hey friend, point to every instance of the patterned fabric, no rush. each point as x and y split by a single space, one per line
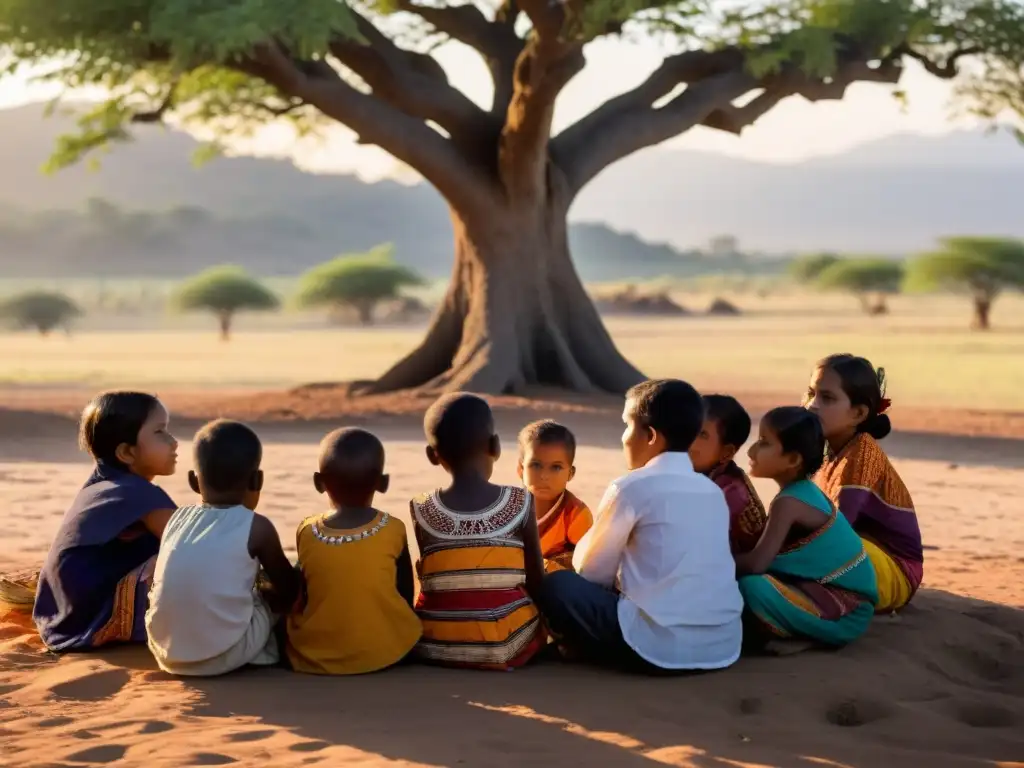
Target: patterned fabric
821 587
862 482
747 517
93 583
474 609
561 529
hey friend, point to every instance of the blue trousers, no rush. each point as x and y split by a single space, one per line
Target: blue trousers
585 619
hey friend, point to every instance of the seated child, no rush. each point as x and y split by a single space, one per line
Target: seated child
809 577
848 395
655 588
726 428
546 454
358 615
94 586
479 546
206 616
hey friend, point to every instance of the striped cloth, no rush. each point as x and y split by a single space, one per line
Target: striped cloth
474 609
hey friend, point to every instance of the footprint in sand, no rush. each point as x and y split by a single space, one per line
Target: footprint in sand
309 746
250 736
55 722
105 753
983 715
853 713
210 758
98 685
156 726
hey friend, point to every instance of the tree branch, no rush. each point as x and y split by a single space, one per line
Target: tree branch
413 82
946 70
496 41
407 138
714 80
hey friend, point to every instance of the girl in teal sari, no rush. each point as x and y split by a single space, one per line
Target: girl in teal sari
808 577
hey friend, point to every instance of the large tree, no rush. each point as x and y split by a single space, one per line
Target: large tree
515 312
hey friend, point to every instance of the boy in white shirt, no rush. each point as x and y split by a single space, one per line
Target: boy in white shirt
655 582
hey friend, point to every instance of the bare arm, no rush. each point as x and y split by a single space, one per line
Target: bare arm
532 554
785 512
285 580
404 580
156 521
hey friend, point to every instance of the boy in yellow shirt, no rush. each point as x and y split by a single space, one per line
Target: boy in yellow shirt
358 615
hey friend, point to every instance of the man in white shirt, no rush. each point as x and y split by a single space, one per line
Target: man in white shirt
655 582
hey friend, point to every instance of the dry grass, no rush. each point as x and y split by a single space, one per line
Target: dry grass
931 356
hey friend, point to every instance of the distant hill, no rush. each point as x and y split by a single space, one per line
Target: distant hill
891 196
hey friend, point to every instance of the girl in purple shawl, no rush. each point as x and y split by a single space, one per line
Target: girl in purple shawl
94 586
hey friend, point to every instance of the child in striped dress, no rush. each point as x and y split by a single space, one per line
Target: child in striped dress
481 565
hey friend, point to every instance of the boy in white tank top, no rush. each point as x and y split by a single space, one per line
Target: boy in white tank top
206 615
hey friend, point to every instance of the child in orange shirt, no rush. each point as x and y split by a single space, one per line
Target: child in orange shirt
547 451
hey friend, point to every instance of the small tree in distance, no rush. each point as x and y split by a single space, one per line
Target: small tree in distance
870 279
359 281
42 310
806 269
984 267
224 291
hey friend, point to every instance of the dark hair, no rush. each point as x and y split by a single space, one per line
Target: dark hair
459 427
352 458
863 385
732 420
799 431
226 455
672 408
547 432
113 418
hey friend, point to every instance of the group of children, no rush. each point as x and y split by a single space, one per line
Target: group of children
679 568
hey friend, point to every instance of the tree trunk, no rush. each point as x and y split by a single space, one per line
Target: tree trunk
364 310
224 319
515 314
982 310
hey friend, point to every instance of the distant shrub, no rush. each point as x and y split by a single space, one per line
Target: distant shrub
42 310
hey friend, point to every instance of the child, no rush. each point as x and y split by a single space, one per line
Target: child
479 545
358 615
205 615
93 588
656 586
848 395
547 451
809 575
726 428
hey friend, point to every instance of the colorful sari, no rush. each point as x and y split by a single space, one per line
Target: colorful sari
861 481
561 530
94 585
819 588
474 608
747 517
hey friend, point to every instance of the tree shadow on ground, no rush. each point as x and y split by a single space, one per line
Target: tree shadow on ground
941 685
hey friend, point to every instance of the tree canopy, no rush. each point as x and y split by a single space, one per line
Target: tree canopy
224 291
360 281
807 269
42 310
983 267
871 279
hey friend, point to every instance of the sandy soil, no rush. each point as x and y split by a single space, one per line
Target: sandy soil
942 685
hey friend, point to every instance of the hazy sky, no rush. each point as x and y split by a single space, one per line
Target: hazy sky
794 130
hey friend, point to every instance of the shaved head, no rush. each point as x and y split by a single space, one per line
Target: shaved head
351 461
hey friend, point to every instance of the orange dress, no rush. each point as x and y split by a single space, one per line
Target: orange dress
561 530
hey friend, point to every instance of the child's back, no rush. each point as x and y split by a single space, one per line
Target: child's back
201 601
354 620
479 546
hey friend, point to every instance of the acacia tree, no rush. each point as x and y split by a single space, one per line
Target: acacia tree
516 311
42 310
983 267
224 291
871 280
360 281
807 269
